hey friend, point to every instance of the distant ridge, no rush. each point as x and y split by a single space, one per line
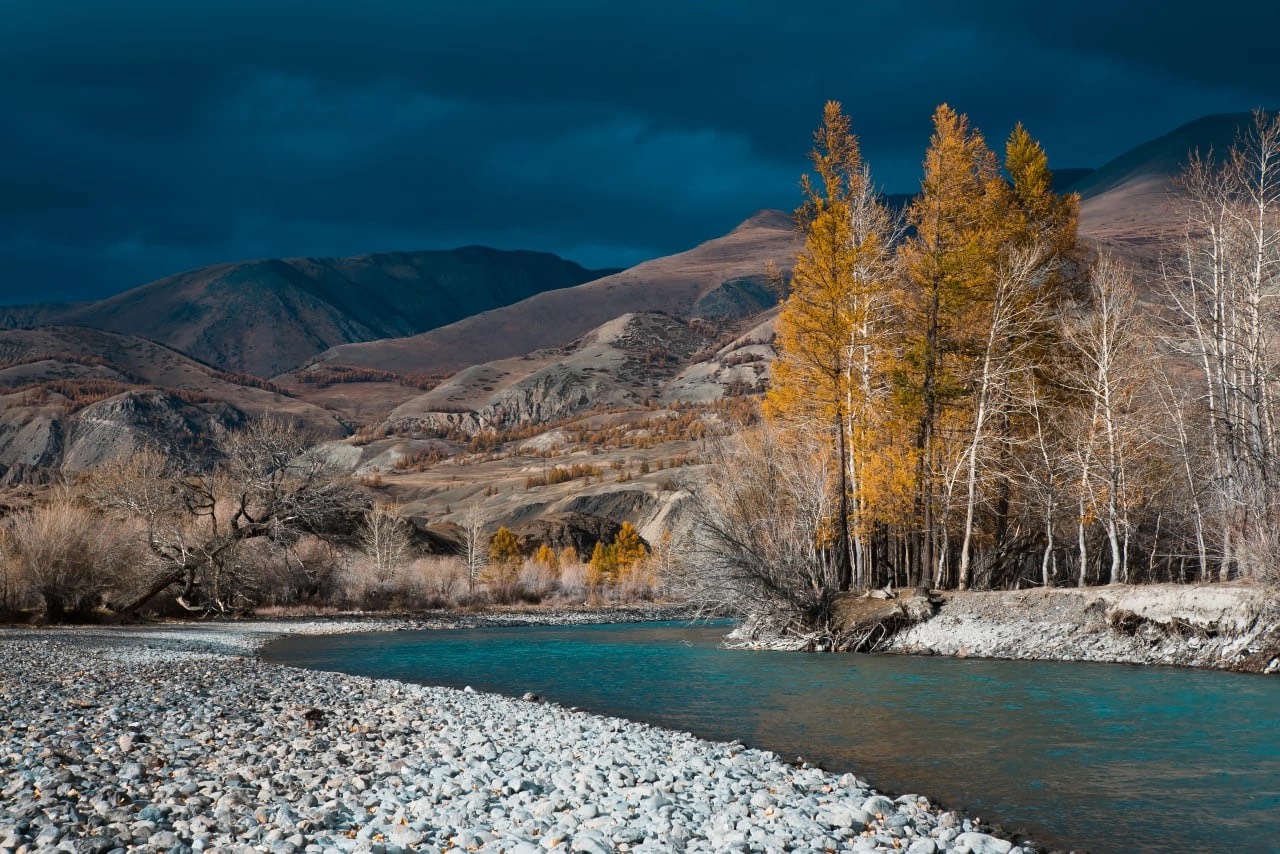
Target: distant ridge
268 316
1126 203
724 278
1165 156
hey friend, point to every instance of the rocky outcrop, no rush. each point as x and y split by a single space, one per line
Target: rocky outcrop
37 444
736 298
578 531
132 421
30 440
619 364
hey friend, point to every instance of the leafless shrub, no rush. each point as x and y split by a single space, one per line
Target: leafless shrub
303 574
360 586
64 552
537 578
435 582
573 579
1258 553
762 527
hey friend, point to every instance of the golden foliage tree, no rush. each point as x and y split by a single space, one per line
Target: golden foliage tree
950 268
602 569
830 330
914 356
628 548
547 557
504 557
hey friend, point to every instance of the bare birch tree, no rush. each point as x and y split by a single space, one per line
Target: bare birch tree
1222 290
387 539
1012 318
474 546
1109 343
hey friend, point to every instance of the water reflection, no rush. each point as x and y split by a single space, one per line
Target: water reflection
1103 756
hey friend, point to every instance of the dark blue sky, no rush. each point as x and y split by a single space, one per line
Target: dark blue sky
142 137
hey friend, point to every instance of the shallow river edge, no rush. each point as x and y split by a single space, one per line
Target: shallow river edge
178 738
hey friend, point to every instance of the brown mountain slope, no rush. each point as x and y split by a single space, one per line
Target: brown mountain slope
266 317
72 397
723 278
633 361
1126 204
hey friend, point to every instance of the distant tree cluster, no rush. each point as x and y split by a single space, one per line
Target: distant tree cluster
966 396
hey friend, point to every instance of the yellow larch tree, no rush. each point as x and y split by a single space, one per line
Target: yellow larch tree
950 269
1045 222
504 558
829 371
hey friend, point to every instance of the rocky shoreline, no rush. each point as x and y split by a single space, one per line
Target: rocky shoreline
176 738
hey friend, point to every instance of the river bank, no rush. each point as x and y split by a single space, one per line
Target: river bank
177 738
1226 626
1232 626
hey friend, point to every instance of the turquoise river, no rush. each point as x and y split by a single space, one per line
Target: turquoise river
1103 757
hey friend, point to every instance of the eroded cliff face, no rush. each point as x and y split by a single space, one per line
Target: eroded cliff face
1232 626
38 443
629 362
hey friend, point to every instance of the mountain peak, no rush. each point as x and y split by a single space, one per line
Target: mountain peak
271 315
1163 157
767 218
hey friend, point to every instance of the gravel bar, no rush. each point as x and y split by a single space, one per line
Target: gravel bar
178 739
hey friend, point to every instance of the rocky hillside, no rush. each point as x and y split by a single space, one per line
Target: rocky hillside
636 360
72 397
266 317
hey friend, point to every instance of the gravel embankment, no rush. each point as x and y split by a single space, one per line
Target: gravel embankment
178 739
1230 626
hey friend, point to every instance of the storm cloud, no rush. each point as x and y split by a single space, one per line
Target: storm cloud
144 137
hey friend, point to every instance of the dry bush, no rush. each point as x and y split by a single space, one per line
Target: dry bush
17 597
304 574
642 582
428 582
537 578
420 460
288 611
1258 554
64 553
573 579
761 525
435 582
360 584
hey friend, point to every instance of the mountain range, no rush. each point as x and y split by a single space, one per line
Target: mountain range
269 316
412 349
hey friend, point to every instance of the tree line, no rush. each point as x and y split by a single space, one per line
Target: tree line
968 396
